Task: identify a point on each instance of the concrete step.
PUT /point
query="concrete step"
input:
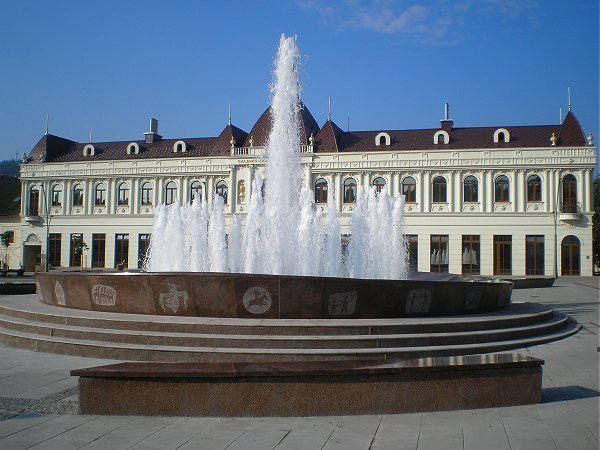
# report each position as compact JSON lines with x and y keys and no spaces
{"x":125,"y":351}
{"x":232,"y":340}
{"x":27,"y":307}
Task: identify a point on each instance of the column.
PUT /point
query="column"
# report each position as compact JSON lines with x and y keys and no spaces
{"x":425,"y":191}
{"x":232,"y":196}
{"x":520,"y":191}
{"x":489,"y":191}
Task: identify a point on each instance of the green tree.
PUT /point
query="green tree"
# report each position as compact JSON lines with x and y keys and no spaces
{"x":5,"y":239}
{"x":596,"y":224}
{"x":80,"y":246}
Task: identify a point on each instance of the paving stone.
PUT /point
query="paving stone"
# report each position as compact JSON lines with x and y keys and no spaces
{"x":398,"y":431}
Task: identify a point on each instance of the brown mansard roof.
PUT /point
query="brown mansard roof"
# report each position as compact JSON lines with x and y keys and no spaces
{"x":329,"y":138}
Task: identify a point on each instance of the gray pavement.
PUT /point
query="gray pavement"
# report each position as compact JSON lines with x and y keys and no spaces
{"x":38,"y":406}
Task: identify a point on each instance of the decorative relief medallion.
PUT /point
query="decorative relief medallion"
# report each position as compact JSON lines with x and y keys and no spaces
{"x":257,"y":300}
{"x":472,"y":300}
{"x":60,"y":294}
{"x":342,"y":304}
{"x":418,"y":301}
{"x":103,"y":295}
{"x":173,"y":299}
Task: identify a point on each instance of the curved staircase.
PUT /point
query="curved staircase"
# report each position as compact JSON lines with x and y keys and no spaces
{"x":27,"y":323}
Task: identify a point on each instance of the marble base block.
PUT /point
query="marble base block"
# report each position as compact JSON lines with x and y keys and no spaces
{"x":308,"y":389}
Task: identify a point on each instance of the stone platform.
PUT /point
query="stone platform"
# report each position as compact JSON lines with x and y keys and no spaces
{"x":310,"y":388}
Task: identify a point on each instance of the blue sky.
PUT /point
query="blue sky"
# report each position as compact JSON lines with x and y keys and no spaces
{"x":109,"y":66}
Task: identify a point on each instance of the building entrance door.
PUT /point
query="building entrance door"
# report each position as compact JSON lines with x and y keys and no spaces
{"x":570,"y":251}
{"x":33,"y":258}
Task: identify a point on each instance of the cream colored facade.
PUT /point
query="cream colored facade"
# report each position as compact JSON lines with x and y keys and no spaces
{"x":453,"y":219}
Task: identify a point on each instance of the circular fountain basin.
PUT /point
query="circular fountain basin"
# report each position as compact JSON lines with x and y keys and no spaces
{"x":241,"y":295}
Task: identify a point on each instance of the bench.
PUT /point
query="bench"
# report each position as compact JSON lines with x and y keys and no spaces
{"x":18,"y":272}
{"x":311,"y":388}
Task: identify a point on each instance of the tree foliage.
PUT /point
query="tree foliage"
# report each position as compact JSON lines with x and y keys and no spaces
{"x":6,"y":237}
{"x":9,"y":167}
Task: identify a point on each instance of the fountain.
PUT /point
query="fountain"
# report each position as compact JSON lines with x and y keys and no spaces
{"x":285,"y":260}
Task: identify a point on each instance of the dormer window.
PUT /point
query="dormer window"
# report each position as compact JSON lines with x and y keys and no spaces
{"x":133,"y":149}
{"x":89,"y":150}
{"x":444,"y":135}
{"x":179,"y":147}
{"x":382,"y":139}
{"x":501,"y":135}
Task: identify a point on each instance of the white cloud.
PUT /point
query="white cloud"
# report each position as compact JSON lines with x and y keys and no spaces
{"x":427,"y":21}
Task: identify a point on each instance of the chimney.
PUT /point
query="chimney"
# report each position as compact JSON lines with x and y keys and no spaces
{"x":152,"y":135}
{"x":447,"y":123}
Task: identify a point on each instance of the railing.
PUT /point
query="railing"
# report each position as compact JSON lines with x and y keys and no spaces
{"x":570,"y":207}
{"x":256,"y":151}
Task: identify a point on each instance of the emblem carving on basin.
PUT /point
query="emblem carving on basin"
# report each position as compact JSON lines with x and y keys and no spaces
{"x":472,"y":300}
{"x":103,"y":295}
{"x":171,"y":301}
{"x":342,"y":304}
{"x":60,"y":294}
{"x":418,"y":301}
{"x":257,"y":300}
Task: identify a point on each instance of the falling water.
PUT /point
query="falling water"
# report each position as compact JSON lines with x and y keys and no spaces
{"x":284,"y":233}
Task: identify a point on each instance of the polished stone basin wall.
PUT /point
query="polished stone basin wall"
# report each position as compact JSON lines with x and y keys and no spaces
{"x":272,"y":296}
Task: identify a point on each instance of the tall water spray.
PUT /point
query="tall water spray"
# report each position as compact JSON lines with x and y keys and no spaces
{"x":284,"y":232}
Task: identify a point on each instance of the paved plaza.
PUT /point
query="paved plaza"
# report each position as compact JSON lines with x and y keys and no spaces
{"x":38,"y":405}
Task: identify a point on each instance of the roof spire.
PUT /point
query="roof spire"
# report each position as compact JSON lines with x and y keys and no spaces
{"x":569,"y":96}
{"x":446,"y":111}
{"x":560,"y":115}
{"x":47,"y":117}
{"x":328,"y":109}
{"x":229,"y":115}
{"x":90,"y":135}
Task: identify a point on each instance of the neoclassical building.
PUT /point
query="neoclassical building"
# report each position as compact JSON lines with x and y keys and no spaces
{"x":503,"y":200}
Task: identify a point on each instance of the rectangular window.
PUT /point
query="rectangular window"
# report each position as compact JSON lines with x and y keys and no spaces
{"x":470,"y":253}
{"x":75,"y":256}
{"x":143,"y":246}
{"x":534,"y":255}
{"x":54,"y":250}
{"x":34,"y":203}
{"x":502,"y":255}
{"x":439,"y":253}
{"x":122,"y":249}
{"x":412,"y":242}
{"x":98,"y":250}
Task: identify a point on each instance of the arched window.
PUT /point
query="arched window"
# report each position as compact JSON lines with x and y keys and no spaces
{"x":502,"y":189}
{"x":222,"y":190}
{"x":534,"y":188}
{"x":409,"y":190}
{"x":56,"y":195}
{"x":441,"y":134}
{"x":470,"y":192}
{"x":570,"y":250}
{"x":34,"y":202}
{"x":100,"y":195}
{"x":170,"y":193}
{"x":146,"y":191}
{"x":321,"y":191}
{"x":382,"y":139}
{"x":569,"y":194}
{"x":439,"y":190}
{"x":379,"y":184}
{"x":196,"y":191}
{"x":123,"y":194}
{"x":349,"y":190}
{"x":179,"y":147}
{"x":501,"y":135}
{"x":78,"y":195}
